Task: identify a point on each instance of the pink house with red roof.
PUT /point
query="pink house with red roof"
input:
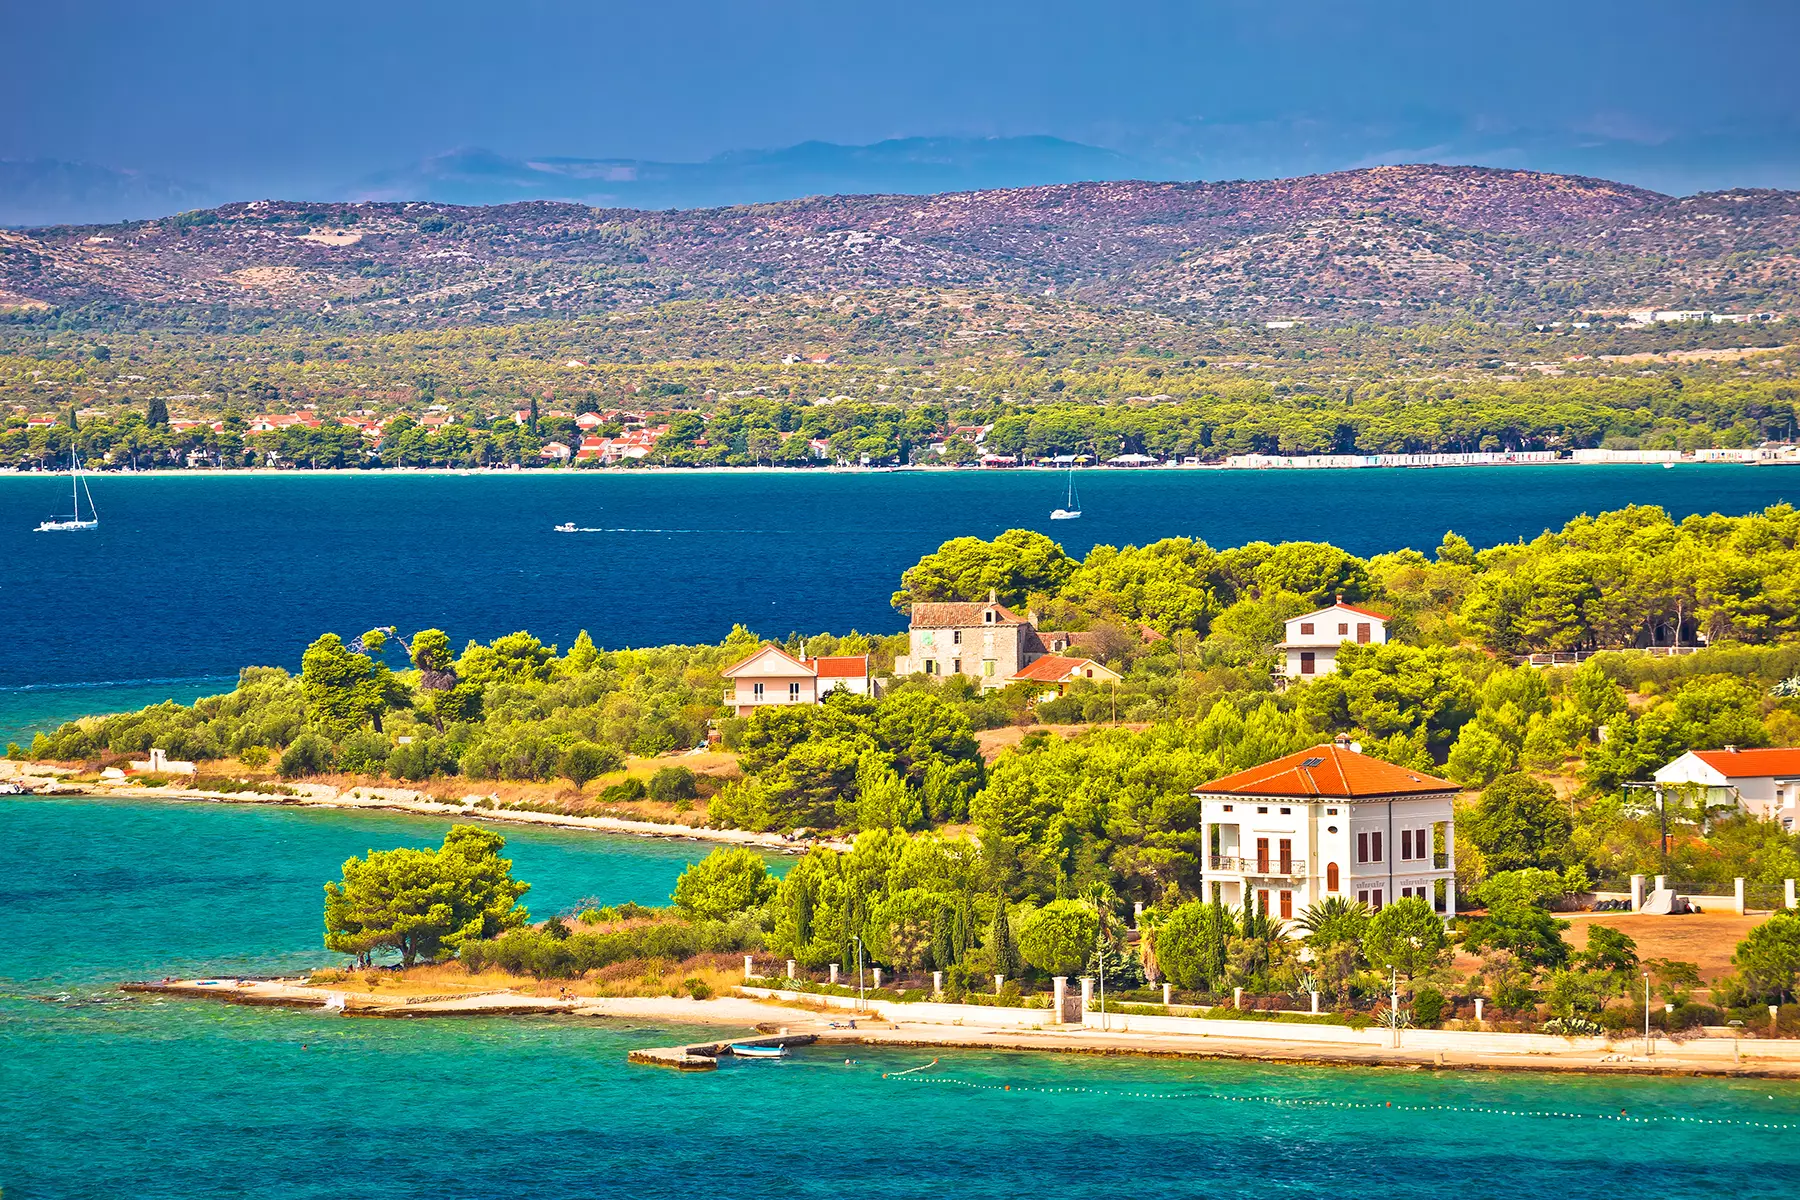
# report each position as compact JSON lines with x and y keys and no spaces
{"x":773,"y":676}
{"x":1313,"y":638}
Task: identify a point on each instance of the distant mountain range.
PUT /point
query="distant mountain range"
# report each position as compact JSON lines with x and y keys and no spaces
{"x":47,"y":191}
{"x":39,"y":192}
{"x":902,"y":166}
{"x":1388,"y":244}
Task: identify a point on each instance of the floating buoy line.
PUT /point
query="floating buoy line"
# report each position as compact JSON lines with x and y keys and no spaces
{"x":1621,"y":1117}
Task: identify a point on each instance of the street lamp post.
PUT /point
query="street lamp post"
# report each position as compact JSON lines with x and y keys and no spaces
{"x":1646,"y":1014}
{"x":860,"y":1002}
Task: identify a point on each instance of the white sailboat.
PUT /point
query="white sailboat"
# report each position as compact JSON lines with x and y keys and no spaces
{"x":1072,"y":507}
{"x":77,"y":489}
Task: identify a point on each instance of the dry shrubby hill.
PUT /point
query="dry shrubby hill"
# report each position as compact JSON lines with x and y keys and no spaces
{"x":1387,"y":244}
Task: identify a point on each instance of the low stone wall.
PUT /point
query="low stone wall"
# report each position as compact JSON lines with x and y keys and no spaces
{"x":918,"y":1012}
{"x":1448,"y":1040}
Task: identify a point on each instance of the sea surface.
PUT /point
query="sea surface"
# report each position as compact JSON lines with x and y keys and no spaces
{"x":189,"y":578}
{"x":106,"y":1095}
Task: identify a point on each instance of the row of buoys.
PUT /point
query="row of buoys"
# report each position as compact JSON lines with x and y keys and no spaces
{"x":1302,"y":1102}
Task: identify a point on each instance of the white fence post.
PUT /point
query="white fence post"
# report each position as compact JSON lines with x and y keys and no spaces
{"x":1059,"y":989}
{"x":937,"y":984}
{"x":1637,"y":893}
{"x":1737,"y":901}
{"x":1789,"y":898}
{"x":791,"y":970}
{"x":1167,"y":989}
{"x":749,"y":971}
{"x":1478,"y":1003}
{"x":834,"y":969}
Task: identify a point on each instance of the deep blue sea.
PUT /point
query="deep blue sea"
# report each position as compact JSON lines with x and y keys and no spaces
{"x":189,"y":578}
{"x":105,"y":1095}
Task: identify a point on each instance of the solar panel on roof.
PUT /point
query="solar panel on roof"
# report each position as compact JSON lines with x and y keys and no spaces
{"x":1313,"y":762}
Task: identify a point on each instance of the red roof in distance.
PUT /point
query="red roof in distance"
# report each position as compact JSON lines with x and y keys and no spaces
{"x":1054,"y":668}
{"x":1336,"y":773}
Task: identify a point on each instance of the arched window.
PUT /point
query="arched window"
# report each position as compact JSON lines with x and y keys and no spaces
{"x":1331,"y":877}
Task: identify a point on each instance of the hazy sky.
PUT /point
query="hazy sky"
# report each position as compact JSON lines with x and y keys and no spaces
{"x":240,"y":92}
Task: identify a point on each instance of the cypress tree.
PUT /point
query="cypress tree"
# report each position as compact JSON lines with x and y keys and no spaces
{"x":158,"y":412}
{"x":1000,"y":940}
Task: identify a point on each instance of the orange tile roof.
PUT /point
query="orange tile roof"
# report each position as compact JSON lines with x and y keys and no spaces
{"x":841,"y":666}
{"x":1054,"y":668}
{"x":1337,"y":773}
{"x":1736,"y":764}
{"x":960,"y":615}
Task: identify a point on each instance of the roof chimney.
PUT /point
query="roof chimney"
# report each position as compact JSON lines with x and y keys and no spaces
{"x":993,"y":595}
{"x":1341,"y":741}
{"x":1731,"y":749}
{"x":1340,"y":597}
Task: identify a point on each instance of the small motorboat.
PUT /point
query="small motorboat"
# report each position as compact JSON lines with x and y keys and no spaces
{"x":758,"y":1051}
{"x":566,"y":527}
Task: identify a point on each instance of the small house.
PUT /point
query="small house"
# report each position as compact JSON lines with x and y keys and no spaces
{"x":1763,"y":783}
{"x":1313,"y":638}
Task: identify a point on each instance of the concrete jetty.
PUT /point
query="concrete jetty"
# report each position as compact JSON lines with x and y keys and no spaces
{"x":704,"y":1056}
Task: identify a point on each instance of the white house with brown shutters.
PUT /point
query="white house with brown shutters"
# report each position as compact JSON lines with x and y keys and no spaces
{"x":1330,"y":821}
{"x":1311,"y":645}
{"x":773,"y":676}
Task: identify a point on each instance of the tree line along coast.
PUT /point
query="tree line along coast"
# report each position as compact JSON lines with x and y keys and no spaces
{"x":1011,"y":828}
{"x":514,"y":396}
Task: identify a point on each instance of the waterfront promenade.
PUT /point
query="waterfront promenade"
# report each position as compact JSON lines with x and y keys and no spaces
{"x":971,"y":1027}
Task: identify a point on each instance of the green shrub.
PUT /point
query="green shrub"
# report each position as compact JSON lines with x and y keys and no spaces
{"x":1428,"y":1006}
{"x":626,"y":791}
{"x":584,"y":761}
{"x":308,"y":754}
{"x":725,"y":883}
{"x":673,"y":783}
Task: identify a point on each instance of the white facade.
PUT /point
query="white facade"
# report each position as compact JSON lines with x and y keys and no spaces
{"x":772,"y":676}
{"x":1763,"y":783}
{"x":1294,"y":851}
{"x":1311,"y":645}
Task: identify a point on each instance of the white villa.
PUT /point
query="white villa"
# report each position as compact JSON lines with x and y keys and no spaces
{"x":1313,"y":638}
{"x":1327,"y":821}
{"x":773,"y":676}
{"x":1764,"y":783}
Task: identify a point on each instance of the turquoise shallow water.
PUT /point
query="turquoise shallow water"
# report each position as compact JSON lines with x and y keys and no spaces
{"x":104,"y":1095}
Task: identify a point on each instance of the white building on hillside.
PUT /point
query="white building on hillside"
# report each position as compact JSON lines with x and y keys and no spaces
{"x":1763,"y":783}
{"x":1330,"y":821}
{"x":1313,"y":638}
{"x":773,"y":676}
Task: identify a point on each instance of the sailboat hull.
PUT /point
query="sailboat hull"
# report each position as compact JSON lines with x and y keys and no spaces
{"x":1063,"y":514}
{"x":66,"y":526}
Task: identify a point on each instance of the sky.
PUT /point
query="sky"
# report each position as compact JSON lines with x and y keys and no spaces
{"x":294,"y":98}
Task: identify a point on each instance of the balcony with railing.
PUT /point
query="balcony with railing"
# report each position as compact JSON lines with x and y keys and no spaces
{"x":1273,"y":865}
